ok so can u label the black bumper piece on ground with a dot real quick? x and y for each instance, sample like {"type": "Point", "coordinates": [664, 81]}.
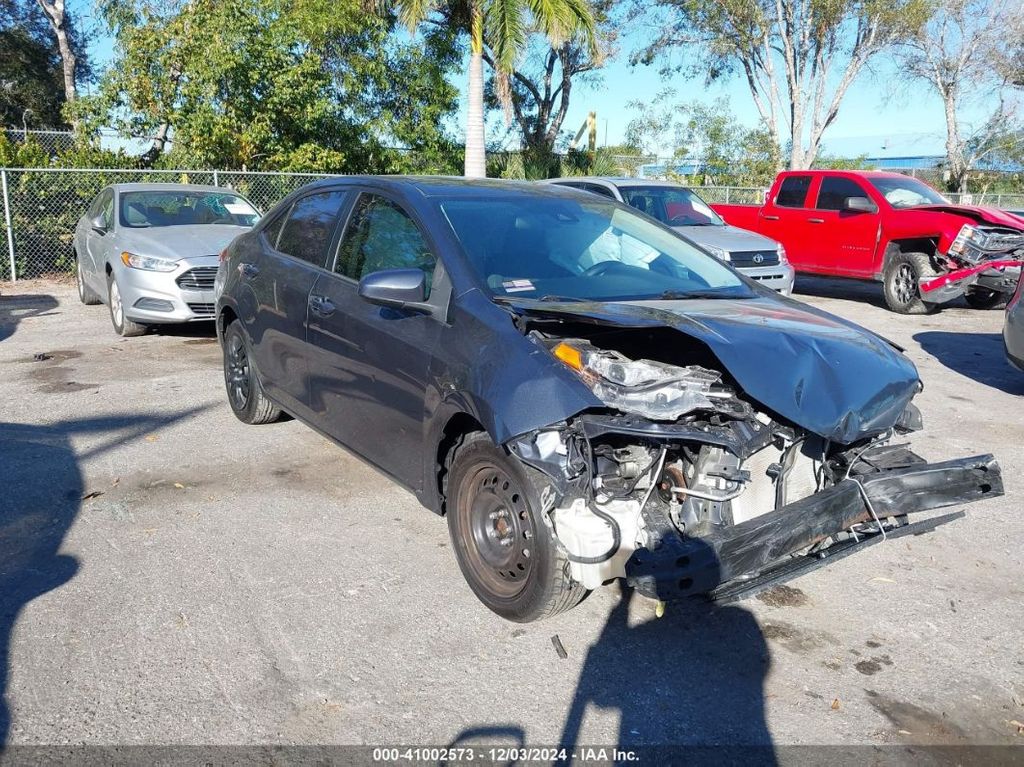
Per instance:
{"type": "Point", "coordinates": [736, 561]}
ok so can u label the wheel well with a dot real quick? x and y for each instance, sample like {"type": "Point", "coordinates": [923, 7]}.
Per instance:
{"type": "Point", "coordinates": [108, 268]}
{"type": "Point", "coordinates": [459, 426]}
{"type": "Point", "coordinates": [226, 317]}
{"type": "Point", "coordinates": [924, 245]}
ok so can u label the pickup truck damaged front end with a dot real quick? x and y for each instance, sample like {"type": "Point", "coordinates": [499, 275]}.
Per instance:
{"type": "Point", "coordinates": [982, 254]}
{"type": "Point", "coordinates": [687, 484]}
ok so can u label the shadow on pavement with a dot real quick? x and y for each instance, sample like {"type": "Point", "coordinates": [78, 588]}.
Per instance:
{"type": "Point", "coordinates": [978, 356]}
{"type": "Point", "coordinates": [693, 678]}
{"type": "Point", "coordinates": [41, 496]}
{"type": "Point", "coordinates": [17, 307]}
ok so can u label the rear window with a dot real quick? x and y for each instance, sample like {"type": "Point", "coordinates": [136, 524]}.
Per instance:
{"type": "Point", "coordinates": [310, 225]}
{"type": "Point", "coordinates": [834, 191]}
{"type": "Point", "coordinates": [793, 191]}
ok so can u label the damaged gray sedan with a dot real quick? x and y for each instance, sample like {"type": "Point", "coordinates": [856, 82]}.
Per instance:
{"type": "Point", "coordinates": [580, 391]}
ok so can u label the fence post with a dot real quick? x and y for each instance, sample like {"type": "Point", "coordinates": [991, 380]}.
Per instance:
{"type": "Point", "coordinates": [7, 223]}
{"type": "Point", "coordinates": [215, 179]}
{"type": "Point", "coordinates": [727, 195]}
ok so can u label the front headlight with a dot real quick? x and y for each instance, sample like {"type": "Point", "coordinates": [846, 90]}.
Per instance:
{"type": "Point", "coordinates": [965, 235]}
{"type": "Point", "coordinates": [720, 253]}
{"type": "Point", "coordinates": [652, 389]}
{"type": "Point", "coordinates": [148, 263]}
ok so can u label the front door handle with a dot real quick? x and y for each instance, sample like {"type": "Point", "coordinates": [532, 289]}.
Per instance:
{"type": "Point", "coordinates": [249, 271]}
{"type": "Point", "coordinates": [770, 218]}
{"type": "Point", "coordinates": [321, 306]}
{"type": "Point", "coordinates": [815, 221]}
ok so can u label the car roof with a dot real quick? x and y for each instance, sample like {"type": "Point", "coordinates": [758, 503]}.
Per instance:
{"type": "Point", "coordinates": [620, 181]}
{"type": "Point", "coordinates": [157, 187]}
{"type": "Point", "coordinates": [447, 186]}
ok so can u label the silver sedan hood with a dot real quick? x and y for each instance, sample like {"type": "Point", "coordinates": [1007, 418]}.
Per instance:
{"type": "Point", "coordinates": [728, 238]}
{"type": "Point", "coordinates": [176, 242]}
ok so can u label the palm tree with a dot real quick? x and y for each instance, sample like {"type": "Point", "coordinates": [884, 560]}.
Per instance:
{"type": "Point", "coordinates": [504, 26]}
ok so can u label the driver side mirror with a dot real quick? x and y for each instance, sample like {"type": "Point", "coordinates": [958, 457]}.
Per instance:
{"type": "Point", "coordinates": [99, 224]}
{"type": "Point", "coordinates": [859, 205]}
{"type": "Point", "coordinates": [397, 289]}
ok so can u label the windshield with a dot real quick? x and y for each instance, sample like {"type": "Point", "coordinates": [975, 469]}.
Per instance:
{"type": "Point", "coordinates": [907, 192]}
{"type": "Point", "coordinates": [546, 248]}
{"type": "Point", "coordinates": [173, 208]}
{"type": "Point", "coordinates": [675, 206]}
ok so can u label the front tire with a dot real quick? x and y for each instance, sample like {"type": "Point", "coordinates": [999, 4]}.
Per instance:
{"type": "Point", "coordinates": [505, 551]}
{"type": "Point", "coordinates": [85, 294]}
{"type": "Point", "coordinates": [245, 392]}
{"type": "Point", "coordinates": [122, 325]}
{"type": "Point", "coordinates": [983, 298]}
{"type": "Point", "coordinates": [900, 283]}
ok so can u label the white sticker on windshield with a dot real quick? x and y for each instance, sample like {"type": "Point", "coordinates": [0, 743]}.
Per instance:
{"type": "Point", "coordinates": [517, 286]}
{"type": "Point", "coordinates": [240, 209]}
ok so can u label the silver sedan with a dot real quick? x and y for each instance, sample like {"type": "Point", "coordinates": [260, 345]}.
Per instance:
{"type": "Point", "coordinates": [150, 251]}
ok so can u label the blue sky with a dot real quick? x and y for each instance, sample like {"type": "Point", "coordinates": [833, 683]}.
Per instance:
{"type": "Point", "coordinates": [872, 115]}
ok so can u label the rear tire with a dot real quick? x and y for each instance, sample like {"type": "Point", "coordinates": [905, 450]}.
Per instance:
{"type": "Point", "coordinates": [122, 325]}
{"type": "Point", "coordinates": [900, 283]}
{"type": "Point", "coordinates": [85, 294]}
{"type": "Point", "coordinates": [983, 298]}
{"type": "Point", "coordinates": [245, 392]}
{"type": "Point", "coordinates": [505, 551]}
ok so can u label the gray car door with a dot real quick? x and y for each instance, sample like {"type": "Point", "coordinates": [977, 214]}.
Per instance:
{"type": "Point", "coordinates": [98, 241]}
{"type": "Point", "coordinates": [369, 365]}
{"type": "Point", "coordinates": [281, 272]}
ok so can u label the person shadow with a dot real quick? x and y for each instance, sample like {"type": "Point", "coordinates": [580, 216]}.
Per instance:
{"type": "Point", "coordinates": [42, 493]}
{"type": "Point", "coordinates": [692, 679]}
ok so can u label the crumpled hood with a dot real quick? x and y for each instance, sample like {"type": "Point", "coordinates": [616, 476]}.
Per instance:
{"type": "Point", "coordinates": [825, 374]}
{"type": "Point", "coordinates": [978, 213]}
{"type": "Point", "coordinates": [178, 241]}
{"type": "Point", "coordinates": [730, 238]}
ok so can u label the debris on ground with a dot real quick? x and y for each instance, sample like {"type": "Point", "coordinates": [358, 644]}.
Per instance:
{"type": "Point", "coordinates": [558, 647]}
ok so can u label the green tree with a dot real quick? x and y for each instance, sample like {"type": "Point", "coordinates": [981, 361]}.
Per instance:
{"type": "Point", "coordinates": [502, 26]}
{"type": "Point", "coordinates": [708, 135]}
{"type": "Point", "coordinates": [285, 84]}
{"type": "Point", "coordinates": [797, 57]}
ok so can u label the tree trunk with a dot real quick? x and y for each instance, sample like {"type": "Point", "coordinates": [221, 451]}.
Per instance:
{"type": "Point", "coordinates": [476, 159]}
{"type": "Point", "coordinates": [954, 148]}
{"type": "Point", "coordinates": [54, 12]}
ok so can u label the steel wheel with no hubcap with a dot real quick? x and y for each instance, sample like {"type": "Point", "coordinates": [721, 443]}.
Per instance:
{"type": "Point", "coordinates": [501, 528]}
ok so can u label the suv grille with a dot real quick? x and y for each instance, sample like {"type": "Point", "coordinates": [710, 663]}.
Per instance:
{"type": "Point", "coordinates": [755, 258]}
{"type": "Point", "coordinates": [199, 278]}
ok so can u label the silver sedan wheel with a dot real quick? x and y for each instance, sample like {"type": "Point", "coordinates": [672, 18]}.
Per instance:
{"type": "Point", "coordinates": [116, 309]}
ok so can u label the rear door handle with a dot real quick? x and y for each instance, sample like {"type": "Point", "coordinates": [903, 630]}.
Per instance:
{"type": "Point", "coordinates": [815, 221]}
{"type": "Point", "coordinates": [321, 306]}
{"type": "Point", "coordinates": [248, 270]}
{"type": "Point", "coordinates": [770, 218]}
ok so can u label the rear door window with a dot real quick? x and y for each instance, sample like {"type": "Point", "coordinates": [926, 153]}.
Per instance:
{"type": "Point", "coordinates": [310, 226]}
{"type": "Point", "coordinates": [834, 191]}
{"type": "Point", "coordinates": [793, 191]}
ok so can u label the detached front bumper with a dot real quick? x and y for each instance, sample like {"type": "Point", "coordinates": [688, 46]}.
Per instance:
{"type": "Point", "coordinates": [759, 552]}
{"type": "Point", "coordinates": [1000, 275]}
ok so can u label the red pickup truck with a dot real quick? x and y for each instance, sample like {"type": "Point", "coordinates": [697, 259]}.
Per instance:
{"type": "Point", "coordinates": [890, 228]}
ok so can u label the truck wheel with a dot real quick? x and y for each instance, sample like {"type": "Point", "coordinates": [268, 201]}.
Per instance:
{"type": "Point", "coordinates": [245, 392]}
{"type": "Point", "coordinates": [122, 325]}
{"type": "Point", "coordinates": [85, 294]}
{"type": "Point", "coordinates": [983, 298]}
{"type": "Point", "coordinates": [900, 283]}
{"type": "Point", "coordinates": [505, 551]}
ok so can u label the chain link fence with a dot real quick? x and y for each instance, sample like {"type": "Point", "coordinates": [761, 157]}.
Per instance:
{"type": "Point", "coordinates": [42, 206]}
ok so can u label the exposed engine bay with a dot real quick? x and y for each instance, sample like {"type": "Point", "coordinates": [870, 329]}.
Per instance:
{"type": "Point", "coordinates": [685, 483]}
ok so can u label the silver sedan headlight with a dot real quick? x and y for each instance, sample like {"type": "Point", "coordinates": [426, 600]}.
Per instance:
{"type": "Point", "coordinates": [148, 263]}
